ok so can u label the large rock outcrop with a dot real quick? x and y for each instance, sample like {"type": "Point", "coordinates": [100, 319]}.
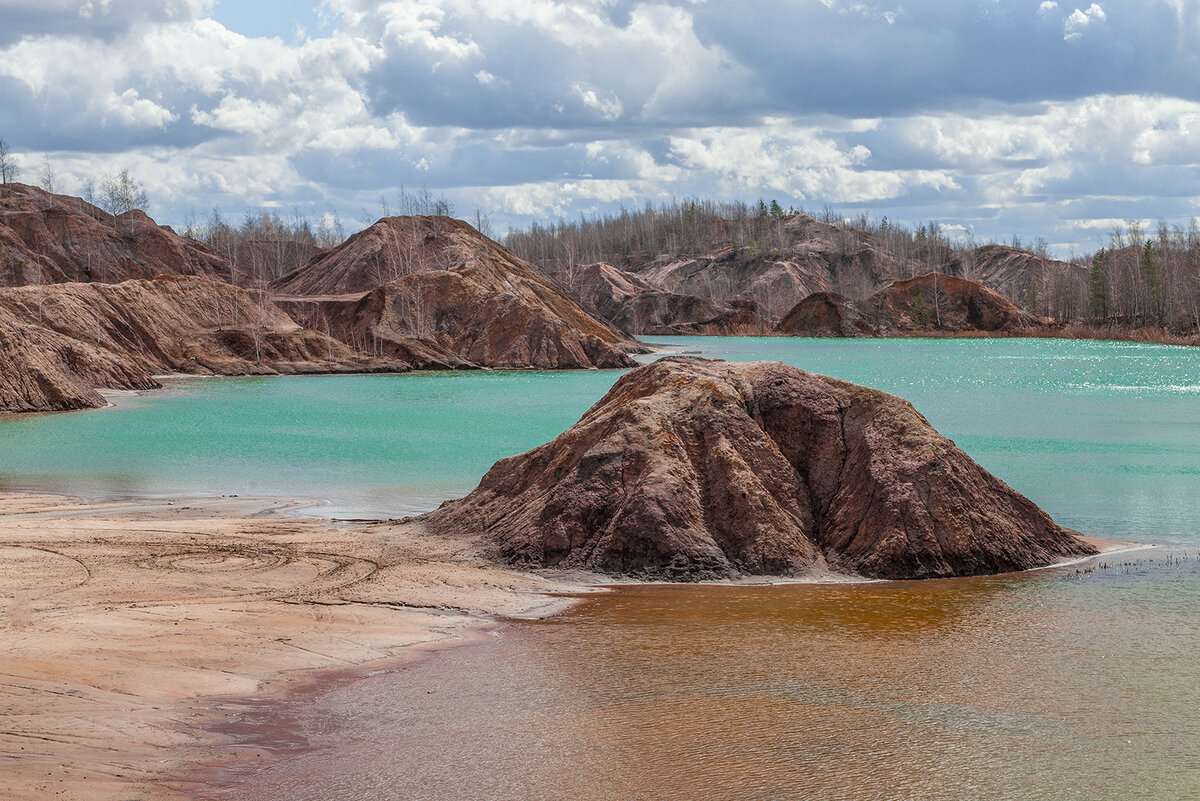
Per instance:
{"type": "Point", "coordinates": [59, 342]}
{"type": "Point", "coordinates": [436, 285]}
{"type": "Point", "coordinates": [695, 468]}
{"type": "Point", "coordinates": [47, 238]}
{"type": "Point", "coordinates": [929, 303]}
{"type": "Point", "coordinates": [826, 314]}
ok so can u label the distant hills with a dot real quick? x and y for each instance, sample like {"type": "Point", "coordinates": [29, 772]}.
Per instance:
{"type": "Point", "coordinates": [100, 302]}
{"type": "Point", "coordinates": [94, 300]}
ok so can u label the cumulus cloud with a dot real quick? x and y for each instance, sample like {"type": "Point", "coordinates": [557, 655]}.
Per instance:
{"type": "Point", "coordinates": [978, 113]}
{"type": "Point", "coordinates": [1079, 21]}
{"type": "Point", "coordinates": [100, 19]}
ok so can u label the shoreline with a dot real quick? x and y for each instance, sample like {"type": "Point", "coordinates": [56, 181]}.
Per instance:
{"type": "Point", "coordinates": [150, 622]}
{"type": "Point", "coordinates": [656, 350]}
{"type": "Point", "coordinates": [125, 624]}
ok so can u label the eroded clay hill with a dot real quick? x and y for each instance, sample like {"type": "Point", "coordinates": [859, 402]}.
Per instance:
{"type": "Point", "coordinates": [48, 238]}
{"type": "Point", "coordinates": [631, 303]}
{"type": "Point", "coordinates": [59, 342]}
{"type": "Point", "coordinates": [695, 468]}
{"type": "Point", "coordinates": [803, 256]}
{"type": "Point", "coordinates": [931, 302]}
{"type": "Point", "coordinates": [434, 285]}
{"type": "Point", "coordinates": [1010, 270]}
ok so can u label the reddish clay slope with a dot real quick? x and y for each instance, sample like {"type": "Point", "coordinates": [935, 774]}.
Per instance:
{"type": "Point", "coordinates": [696, 468]}
{"type": "Point", "coordinates": [59, 342]}
{"type": "Point", "coordinates": [931, 302]}
{"type": "Point", "coordinates": [632, 304]}
{"type": "Point", "coordinates": [1010, 270]}
{"type": "Point", "coordinates": [438, 284]}
{"type": "Point", "coordinates": [47, 238]}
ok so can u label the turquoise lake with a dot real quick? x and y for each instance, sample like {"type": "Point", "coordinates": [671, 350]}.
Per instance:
{"type": "Point", "coordinates": [1104, 435]}
{"type": "Point", "coordinates": [1067, 684]}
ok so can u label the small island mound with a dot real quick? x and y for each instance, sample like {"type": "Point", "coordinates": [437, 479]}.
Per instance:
{"type": "Point", "coordinates": [694, 469]}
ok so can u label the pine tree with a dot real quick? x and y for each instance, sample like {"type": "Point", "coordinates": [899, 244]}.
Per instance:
{"type": "Point", "coordinates": [919, 312]}
{"type": "Point", "coordinates": [1098, 299]}
{"type": "Point", "coordinates": [1151, 282]}
{"type": "Point", "coordinates": [1030, 299]}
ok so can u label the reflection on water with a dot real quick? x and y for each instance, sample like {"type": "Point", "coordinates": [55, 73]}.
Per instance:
{"type": "Point", "coordinates": [1055, 685]}
{"type": "Point", "coordinates": [1103, 435]}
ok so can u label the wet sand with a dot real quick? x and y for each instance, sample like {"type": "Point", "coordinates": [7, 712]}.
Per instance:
{"type": "Point", "coordinates": [117, 617]}
{"type": "Point", "coordinates": [131, 630]}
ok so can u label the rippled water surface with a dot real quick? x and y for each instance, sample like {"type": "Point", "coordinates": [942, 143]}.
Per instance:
{"type": "Point", "coordinates": [1103, 435]}
{"type": "Point", "coordinates": [1041, 687]}
{"type": "Point", "coordinates": [1068, 684]}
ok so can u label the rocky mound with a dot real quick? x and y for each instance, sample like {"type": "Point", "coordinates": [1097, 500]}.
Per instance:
{"type": "Point", "coordinates": [632, 304]}
{"type": "Point", "coordinates": [696, 468]}
{"type": "Point", "coordinates": [931, 302]}
{"type": "Point", "coordinates": [59, 342]}
{"type": "Point", "coordinates": [742, 317]}
{"type": "Point", "coordinates": [800, 256]}
{"type": "Point", "coordinates": [775, 282]}
{"type": "Point", "coordinates": [1010, 270]}
{"type": "Point", "coordinates": [825, 314]}
{"type": "Point", "coordinates": [47, 238]}
{"type": "Point", "coordinates": [437, 285]}
{"type": "Point", "coordinates": [43, 371]}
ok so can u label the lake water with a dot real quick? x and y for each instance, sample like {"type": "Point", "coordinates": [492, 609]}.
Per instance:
{"type": "Point", "coordinates": [1103, 435]}
{"type": "Point", "coordinates": [1059, 684]}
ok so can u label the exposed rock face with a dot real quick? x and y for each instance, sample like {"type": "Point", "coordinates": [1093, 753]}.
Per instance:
{"type": "Point", "coordinates": [695, 468]}
{"type": "Point", "coordinates": [43, 371]}
{"type": "Point", "coordinates": [1009, 270]}
{"type": "Point", "coordinates": [775, 283]}
{"type": "Point", "coordinates": [435, 285]}
{"type": "Point", "coordinates": [741, 317]}
{"type": "Point", "coordinates": [47, 238]}
{"type": "Point", "coordinates": [825, 314]}
{"type": "Point", "coordinates": [59, 342]}
{"type": "Point", "coordinates": [932, 302]}
{"type": "Point", "coordinates": [804, 256]}
{"type": "Point", "coordinates": [630, 303]}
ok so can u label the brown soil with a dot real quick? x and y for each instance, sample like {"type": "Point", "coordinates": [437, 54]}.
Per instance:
{"type": "Point", "coordinates": [441, 294]}
{"type": "Point", "coordinates": [47, 238]}
{"type": "Point", "coordinates": [116, 616]}
{"type": "Point", "coordinates": [931, 302]}
{"type": "Point", "coordinates": [58, 343]}
{"type": "Point", "coordinates": [696, 468]}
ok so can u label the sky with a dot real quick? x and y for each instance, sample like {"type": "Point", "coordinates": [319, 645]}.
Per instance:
{"type": "Point", "coordinates": [994, 118]}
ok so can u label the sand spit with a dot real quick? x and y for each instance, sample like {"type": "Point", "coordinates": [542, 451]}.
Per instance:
{"type": "Point", "coordinates": [126, 626]}
{"type": "Point", "coordinates": [115, 617]}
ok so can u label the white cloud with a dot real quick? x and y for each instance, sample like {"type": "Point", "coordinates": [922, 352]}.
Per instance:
{"type": "Point", "coordinates": [609, 106]}
{"type": "Point", "coordinates": [1078, 21]}
{"type": "Point", "coordinates": [547, 107]}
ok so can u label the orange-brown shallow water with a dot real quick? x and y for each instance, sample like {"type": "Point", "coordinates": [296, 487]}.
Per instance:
{"type": "Point", "coordinates": [1053, 685]}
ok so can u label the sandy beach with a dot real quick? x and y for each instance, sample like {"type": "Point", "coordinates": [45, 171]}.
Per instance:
{"type": "Point", "coordinates": [118, 616]}
{"type": "Point", "coordinates": [125, 623]}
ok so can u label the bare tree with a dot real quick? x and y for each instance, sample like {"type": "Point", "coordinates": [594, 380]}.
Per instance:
{"type": "Point", "coordinates": [122, 194]}
{"type": "Point", "coordinates": [46, 177]}
{"type": "Point", "coordinates": [9, 171]}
